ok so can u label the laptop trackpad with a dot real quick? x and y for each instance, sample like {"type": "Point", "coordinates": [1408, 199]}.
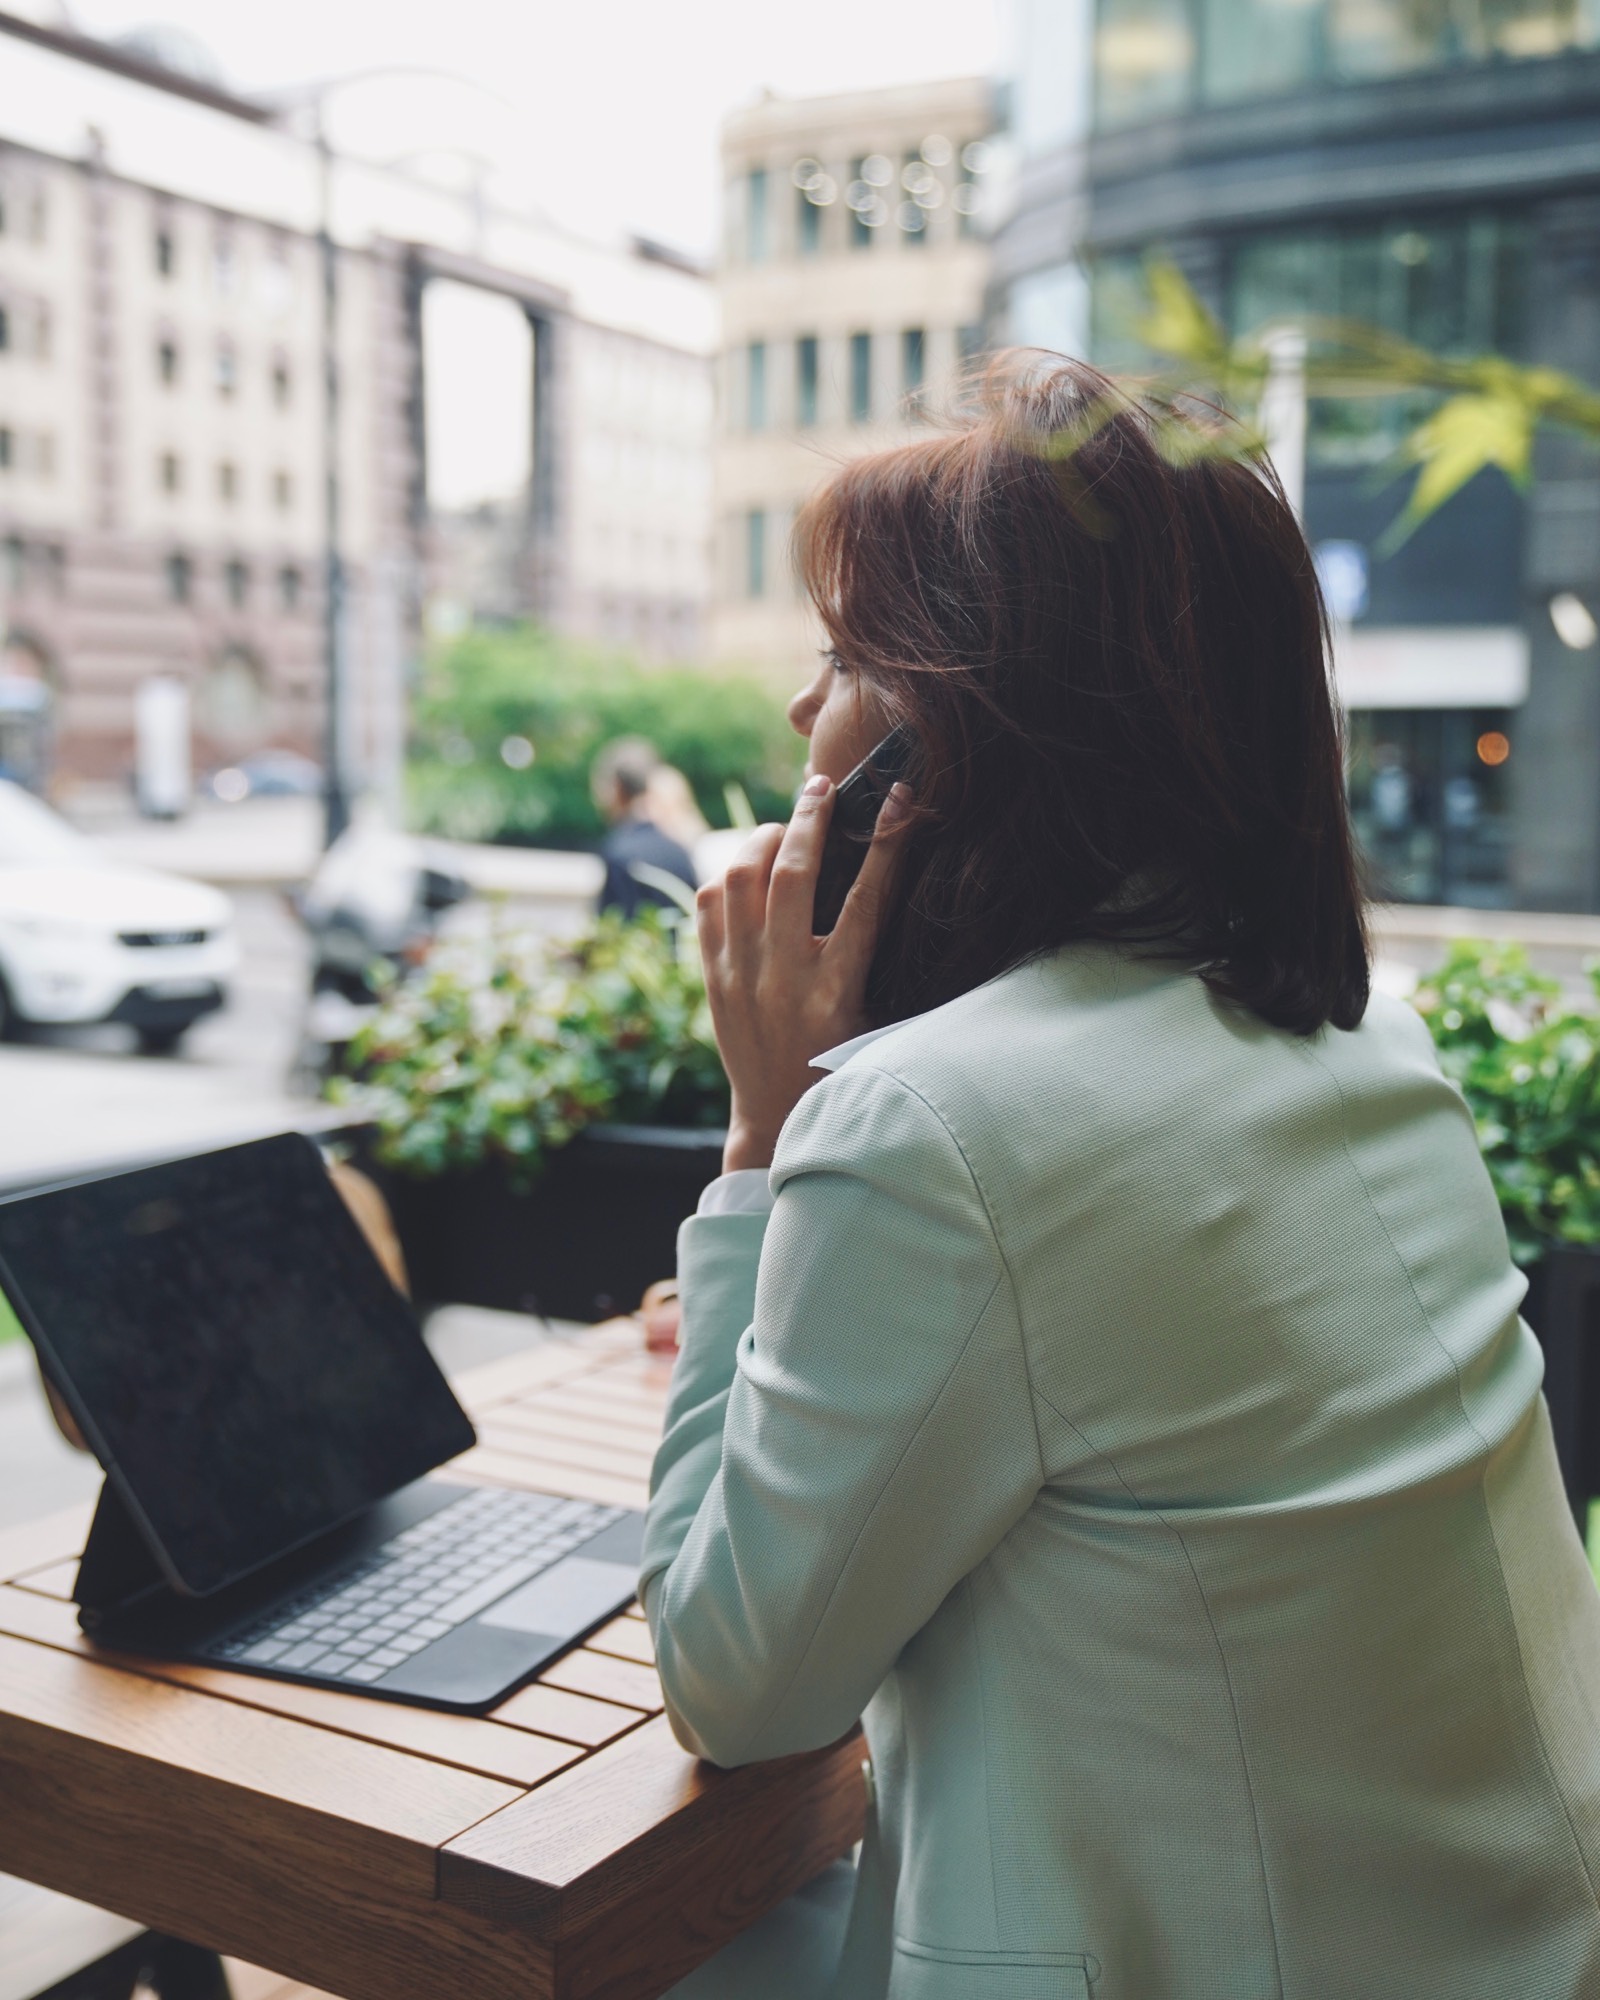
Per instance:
{"type": "Point", "coordinates": [565, 1599]}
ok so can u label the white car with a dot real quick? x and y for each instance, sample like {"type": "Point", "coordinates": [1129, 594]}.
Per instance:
{"type": "Point", "coordinates": [85, 938]}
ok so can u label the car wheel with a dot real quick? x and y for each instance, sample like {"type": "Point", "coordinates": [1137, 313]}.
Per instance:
{"type": "Point", "coordinates": [160, 1041]}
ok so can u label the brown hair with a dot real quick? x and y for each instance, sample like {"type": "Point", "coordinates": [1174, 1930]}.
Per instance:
{"type": "Point", "coordinates": [1100, 620]}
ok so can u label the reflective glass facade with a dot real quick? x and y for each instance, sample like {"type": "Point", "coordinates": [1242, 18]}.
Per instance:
{"type": "Point", "coordinates": [1153, 58]}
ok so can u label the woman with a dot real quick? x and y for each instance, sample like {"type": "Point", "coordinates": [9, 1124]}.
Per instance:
{"type": "Point", "coordinates": [1101, 1369]}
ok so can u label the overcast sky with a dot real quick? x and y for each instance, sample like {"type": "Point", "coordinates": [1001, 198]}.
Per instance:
{"type": "Point", "coordinates": [612, 105]}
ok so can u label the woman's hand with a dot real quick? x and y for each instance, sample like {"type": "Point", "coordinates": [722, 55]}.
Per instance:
{"type": "Point", "coordinates": [780, 995]}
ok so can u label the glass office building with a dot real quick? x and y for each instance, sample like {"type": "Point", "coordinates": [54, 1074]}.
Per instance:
{"type": "Point", "coordinates": [1426, 166]}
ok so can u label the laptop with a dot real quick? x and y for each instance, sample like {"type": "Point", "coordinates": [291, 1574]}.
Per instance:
{"type": "Point", "coordinates": [268, 1415]}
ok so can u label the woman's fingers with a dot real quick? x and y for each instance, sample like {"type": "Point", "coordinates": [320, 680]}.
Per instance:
{"type": "Point", "coordinates": [792, 890]}
{"type": "Point", "coordinates": [856, 932]}
{"type": "Point", "coordinates": [744, 889]}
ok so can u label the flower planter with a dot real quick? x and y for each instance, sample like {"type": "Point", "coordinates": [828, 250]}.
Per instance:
{"type": "Point", "coordinates": [1563, 1308]}
{"type": "Point", "coordinates": [581, 1241]}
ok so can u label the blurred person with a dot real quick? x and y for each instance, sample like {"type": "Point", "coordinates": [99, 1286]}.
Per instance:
{"type": "Point", "coordinates": [669, 800]}
{"type": "Point", "coordinates": [620, 784]}
{"type": "Point", "coordinates": [1101, 1372]}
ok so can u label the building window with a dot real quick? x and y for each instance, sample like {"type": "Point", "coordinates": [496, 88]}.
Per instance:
{"type": "Point", "coordinates": [808, 219]}
{"type": "Point", "coordinates": [289, 587]}
{"type": "Point", "coordinates": [756, 231]}
{"type": "Point", "coordinates": [227, 481]}
{"type": "Point", "coordinates": [755, 552]}
{"type": "Point", "coordinates": [13, 564]}
{"type": "Point", "coordinates": [169, 472]}
{"type": "Point", "coordinates": [805, 379]}
{"type": "Point", "coordinates": [5, 330]}
{"type": "Point", "coordinates": [755, 386]}
{"type": "Point", "coordinates": [166, 251]}
{"type": "Point", "coordinates": [167, 361]}
{"type": "Point", "coordinates": [227, 367]}
{"type": "Point", "coordinates": [224, 267]}
{"type": "Point", "coordinates": [180, 578]}
{"type": "Point", "coordinates": [236, 581]}
{"type": "Point", "coordinates": [860, 378]}
{"type": "Point", "coordinates": [280, 384]}
{"type": "Point", "coordinates": [8, 447]}
{"type": "Point", "coordinates": [282, 490]}
{"type": "Point", "coordinates": [913, 367]}
{"type": "Point", "coordinates": [41, 334]}
{"type": "Point", "coordinates": [44, 455]}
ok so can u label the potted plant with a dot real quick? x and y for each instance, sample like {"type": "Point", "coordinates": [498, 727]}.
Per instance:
{"type": "Point", "coordinates": [543, 1115]}
{"type": "Point", "coordinates": [1529, 1067]}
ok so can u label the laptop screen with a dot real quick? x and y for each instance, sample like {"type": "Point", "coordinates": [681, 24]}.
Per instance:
{"type": "Point", "coordinates": [232, 1347]}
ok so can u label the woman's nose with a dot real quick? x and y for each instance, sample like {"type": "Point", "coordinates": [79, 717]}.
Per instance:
{"type": "Point", "coordinates": [803, 710]}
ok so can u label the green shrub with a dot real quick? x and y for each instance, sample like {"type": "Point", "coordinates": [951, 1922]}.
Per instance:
{"type": "Point", "coordinates": [10, 1326]}
{"type": "Point", "coordinates": [1530, 1071]}
{"type": "Point", "coordinates": [505, 1047]}
{"type": "Point", "coordinates": [567, 700]}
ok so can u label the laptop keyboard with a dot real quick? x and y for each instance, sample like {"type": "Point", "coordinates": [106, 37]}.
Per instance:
{"type": "Point", "coordinates": [373, 1613]}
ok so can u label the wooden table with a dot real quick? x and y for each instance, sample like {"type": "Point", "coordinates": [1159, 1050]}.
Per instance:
{"type": "Point", "coordinates": [563, 1846]}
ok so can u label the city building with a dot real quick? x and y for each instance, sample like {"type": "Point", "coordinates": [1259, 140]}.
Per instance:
{"type": "Point", "coordinates": [852, 286]}
{"type": "Point", "coordinates": [164, 508]}
{"type": "Point", "coordinates": [1430, 170]}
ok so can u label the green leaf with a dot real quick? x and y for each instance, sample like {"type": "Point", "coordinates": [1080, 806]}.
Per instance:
{"type": "Point", "coordinates": [1462, 438]}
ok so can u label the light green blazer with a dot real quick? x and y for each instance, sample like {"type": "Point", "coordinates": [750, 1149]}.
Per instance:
{"type": "Point", "coordinates": [1124, 1409]}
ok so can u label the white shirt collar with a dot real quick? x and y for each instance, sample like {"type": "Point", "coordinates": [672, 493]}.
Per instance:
{"type": "Point", "coordinates": [837, 1058]}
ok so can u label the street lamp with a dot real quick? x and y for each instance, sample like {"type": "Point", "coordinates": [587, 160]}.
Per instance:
{"type": "Point", "coordinates": [314, 95]}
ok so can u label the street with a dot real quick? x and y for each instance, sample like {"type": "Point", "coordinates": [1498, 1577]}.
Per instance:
{"type": "Point", "coordinates": [70, 1098]}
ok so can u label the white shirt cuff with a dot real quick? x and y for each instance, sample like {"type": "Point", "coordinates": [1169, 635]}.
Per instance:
{"type": "Point", "coordinates": [743, 1192]}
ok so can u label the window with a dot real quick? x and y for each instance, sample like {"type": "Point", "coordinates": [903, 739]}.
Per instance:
{"type": "Point", "coordinates": [180, 578]}
{"type": "Point", "coordinates": [227, 367]}
{"type": "Point", "coordinates": [969, 343]}
{"type": "Point", "coordinates": [1143, 59]}
{"type": "Point", "coordinates": [224, 267]}
{"type": "Point", "coordinates": [13, 564]}
{"type": "Point", "coordinates": [236, 581]}
{"type": "Point", "coordinates": [860, 378]}
{"type": "Point", "coordinates": [38, 216]}
{"type": "Point", "coordinates": [755, 552]}
{"type": "Point", "coordinates": [756, 233]}
{"type": "Point", "coordinates": [864, 202]}
{"type": "Point", "coordinates": [43, 329]}
{"type": "Point", "coordinates": [1452, 283]}
{"type": "Point", "coordinates": [5, 330]}
{"type": "Point", "coordinates": [913, 366]}
{"type": "Point", "coordinates": [2, 211]}
{"type": "Point", "coordinates": [808, 221]}
{"type": "Point", "coordinates": [282, 490]}
{"type": "Point", "coordinates": [8, 448]}
{"type": "Point", "coordinates": [169, 472]}
{"type": "Point", "coordinates": [167, 361]}
{"type": "Point", "coordinates": [280, 384]}
{"type": "Point", "coordinates": [227, 481]}
{"type": "Point", "coordinates": [921, 192]}
{"type": "Point", "coordinates": [166, 251]}
{"type": "Point", "coordinates": [289, 587]}
{"type": "Point", "coordinates": [755, 386]}
{"type": "Point", "coordinates": [805, 379]}
{"type": "Point", "coordinates": [44, 455]}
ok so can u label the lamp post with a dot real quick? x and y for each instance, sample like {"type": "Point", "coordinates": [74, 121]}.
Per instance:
{"type": "Point", "coordinates": [336, 800]}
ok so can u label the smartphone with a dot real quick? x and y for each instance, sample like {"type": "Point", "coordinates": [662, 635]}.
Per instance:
{"type": "Point", "coordinates": [856, 806]}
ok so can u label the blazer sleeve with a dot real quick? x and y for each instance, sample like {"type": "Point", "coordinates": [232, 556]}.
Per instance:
{"type": "Point", "coordinates": [850, 1429]}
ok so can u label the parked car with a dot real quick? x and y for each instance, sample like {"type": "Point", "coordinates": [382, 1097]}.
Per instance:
{"type": "Point", "coordinates": [85, 938]}
{"type": "Point", "coordinates": [269, 774]}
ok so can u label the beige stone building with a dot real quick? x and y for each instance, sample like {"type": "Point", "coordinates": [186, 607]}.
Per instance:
{"type": "Point", "coordinates": [852, 286]}
{"type": "Point", "coordinates": [162, 462]}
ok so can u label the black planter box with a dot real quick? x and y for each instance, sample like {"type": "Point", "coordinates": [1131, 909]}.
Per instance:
{"type": "Point", "coordinates": [1563, 1308]}
{"type": "Point", "coordinates": [581, 1241]}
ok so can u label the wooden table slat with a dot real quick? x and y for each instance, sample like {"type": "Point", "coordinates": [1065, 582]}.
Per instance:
{"type": "Point", "coordinates": [36, 1544]}
{"type": "Point", "coordinates": [578, 1850]}
{"type": "Point", "coordinates": [518, 1756]}
{"type": "Point", "coordinates": [53, 1580]}
{"type": "Point", "coordinates": [580, 1719]}
{"type": "Point", "coordinates": [627, 1637]}
{"type": "Point", "coordinates": [504, 1468]}
{"type": "Point", "coordinates": [551, 1448]}
{"type": "Point", "coordinates": [583, 1672]}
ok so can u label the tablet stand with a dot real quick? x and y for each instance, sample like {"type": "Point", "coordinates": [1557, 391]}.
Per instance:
{"type": "Point", "coordinates": [117, 1566]}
